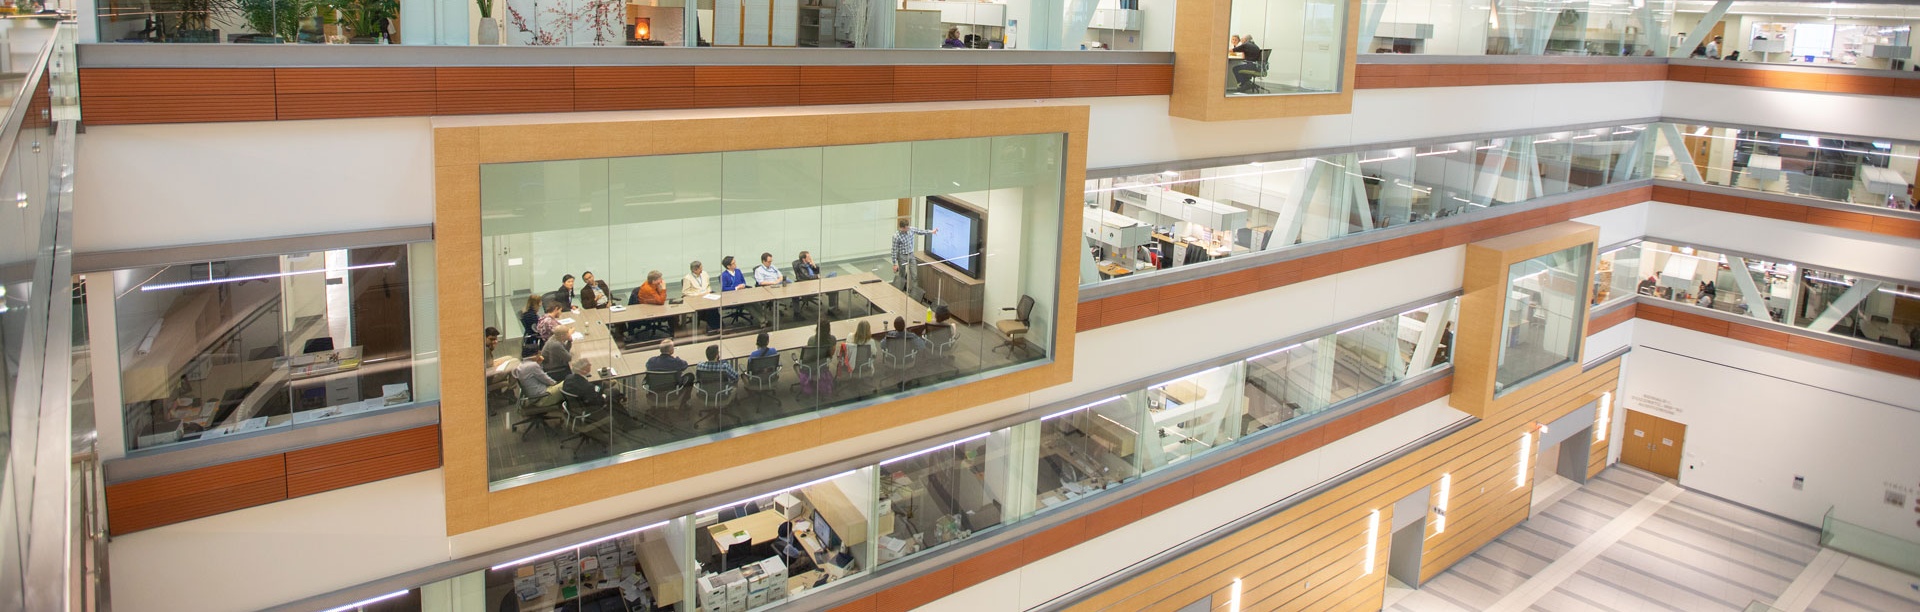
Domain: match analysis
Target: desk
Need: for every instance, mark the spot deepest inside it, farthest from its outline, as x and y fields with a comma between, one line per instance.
x=761, y=527
x=1112, y=269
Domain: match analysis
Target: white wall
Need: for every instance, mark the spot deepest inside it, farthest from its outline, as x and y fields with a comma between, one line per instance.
x=166, y=185
x=1847, y=114
x=1797, y=242
x=1756, y=417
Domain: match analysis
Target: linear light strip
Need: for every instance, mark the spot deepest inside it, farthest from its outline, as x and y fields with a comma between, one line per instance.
x=1233, y=597
x=238, y=279
x=1440, y=509
x=567, y=548
x=1082, y=407
x=1605, y=419
x=364, y=602
x=929, y=450
x=1373, y=539
x=1526, y=453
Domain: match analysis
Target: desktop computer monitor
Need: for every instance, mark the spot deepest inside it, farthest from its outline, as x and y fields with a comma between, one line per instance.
x=824, y=532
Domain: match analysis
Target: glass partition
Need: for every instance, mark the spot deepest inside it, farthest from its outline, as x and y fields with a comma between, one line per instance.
x=1286, y=46
x=218, y=348
x=1872, y=309
x=651, y=303
x=1860, y=35
x=767, y=550
x=1545, y=313
x=648, y=24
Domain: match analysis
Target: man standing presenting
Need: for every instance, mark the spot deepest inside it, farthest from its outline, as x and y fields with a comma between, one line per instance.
x=903, y=264
x=1713, y=48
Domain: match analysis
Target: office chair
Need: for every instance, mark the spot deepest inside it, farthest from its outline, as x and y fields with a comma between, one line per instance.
x=1255, y=71
x=738, y=554
x=816, y=366
x=899, y=354
x=714, y=394
x=861, y=361
x=582, y=421
x=738, y=313
x=789, y=548
x=663, y=389
x=660, y=326
x=317, y=345
x=762, y=377
x=943, y=340
x=1015, y=329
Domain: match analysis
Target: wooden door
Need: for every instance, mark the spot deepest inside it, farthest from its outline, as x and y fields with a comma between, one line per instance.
x=1653, y=444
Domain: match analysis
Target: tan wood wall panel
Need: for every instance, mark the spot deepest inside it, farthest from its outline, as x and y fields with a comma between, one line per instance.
x=1200, y=36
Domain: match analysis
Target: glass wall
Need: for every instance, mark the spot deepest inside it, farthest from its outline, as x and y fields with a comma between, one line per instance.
x=218, y=348
x=783, y=545
x=1544, y=315
x=1872, y=309
x=1876, y=36
x=1140, y=224
x=1286, y=46
x=650, y=303
x=864, y=24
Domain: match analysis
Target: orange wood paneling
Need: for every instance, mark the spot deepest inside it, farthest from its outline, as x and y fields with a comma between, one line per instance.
x=632, y=77
x=503, y=78
x=362, y=449
x=351, y=80
x=745, y=76
x=633, y=99
x=354, y=105
x=100, y=110
x=914, y=593
x=141, y=82
x=1805, y=345
x=503, y=101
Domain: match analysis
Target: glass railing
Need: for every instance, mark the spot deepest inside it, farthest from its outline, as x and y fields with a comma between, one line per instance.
x=1141, y=222
x=1854, y=35
x=768, y=24
x=1763, y=289
x=38, y=93
x=1866, y=543
x=788, y=543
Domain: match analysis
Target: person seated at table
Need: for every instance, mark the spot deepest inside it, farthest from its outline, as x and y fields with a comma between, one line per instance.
x=594, y=293
x=953, y=40
x=558, y=350
x=824, y=345
x=654, y=291
x=529, y=317
x=1249, y=56
x=536, y=386
x=497, y=382
x=1646, y=285
x=862, y=336
x=666, y=362
x=715, y=364
x=762, y=349
x=694, y=285
x=544, y=329
x=900, y=333
x=585, y=396
x=730, y=276
x=805, y=270
x=564, y=295
x=765, y=274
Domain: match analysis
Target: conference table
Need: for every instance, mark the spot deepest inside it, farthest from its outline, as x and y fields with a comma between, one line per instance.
x=594, y=338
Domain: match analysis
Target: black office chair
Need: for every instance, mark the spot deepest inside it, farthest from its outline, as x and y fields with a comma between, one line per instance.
x=762, y=377
x=663, y=389
x=737, y=555
x=788, y=547
x=317, y=345
x=739, y=313
x=1015, y=329
x=943, y=340
x=899, y=354
x=715, y=393
x=1253, y=70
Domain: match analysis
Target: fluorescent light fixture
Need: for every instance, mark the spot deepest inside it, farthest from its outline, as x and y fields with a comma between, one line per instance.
x=1445, y=152
x=1830, y=282
x=1373, y=538
x=1899, y=293
x=567, y=548
x=1604, y=421
x=1276, y=351
x=1584, y=136
x=929, y=450
x=1491, y=146
x=1117, y=423
x=1700, y=131
x=1380, y=159
x=1354, y=327
x=1440, y=508
x=1086, y=406
x=364, y=602
x=1526, y=452
x=1547, y=140
x=1233, y=597
x=1622, y=132
x=769, y=495
x=237, y=279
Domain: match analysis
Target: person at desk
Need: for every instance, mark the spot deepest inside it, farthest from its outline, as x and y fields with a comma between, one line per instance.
x=536, y=386
x=900, y=333
x=529, y=317
x=1647, y=284
x=715, y=364
x=805, y=270
x=730, y=276
x=953, y=39
x=1249, y=56
x=823, y=343
x=765, y=274
x=694, y=285
x=544, y=329
x=558, y=351
x=564, y=295
x=654, y=291
x=903, y=264
x=595, y=293
x=497, y=382
x=666, y=362
x=762, y=348
x=585, y=400
x=862, y=336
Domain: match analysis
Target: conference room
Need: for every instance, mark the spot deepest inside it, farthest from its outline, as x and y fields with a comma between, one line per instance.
x=718, y=293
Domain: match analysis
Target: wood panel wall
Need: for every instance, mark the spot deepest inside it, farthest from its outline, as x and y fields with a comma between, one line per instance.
x=1309, y=557
x=1390, y=76
x=1865, y=82
x=121, y=96
x=1808, y=345
x=182, y=496
x=1864, y=220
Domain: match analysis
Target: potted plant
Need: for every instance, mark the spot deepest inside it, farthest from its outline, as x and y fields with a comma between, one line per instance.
x=489, y=33
x=275, y=20
x=365, y=20
x=195, y=19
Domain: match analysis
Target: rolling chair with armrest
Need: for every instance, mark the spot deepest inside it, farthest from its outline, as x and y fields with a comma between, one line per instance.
x=861, y=363
x=583, y=420
x=899, y=354
x=663, y=389
x=1015, y=329
x=788, y=547
x=762, y=377
x=714, y=393
x=816, y=366
x=533, y=415
x=943, y=339
x=1253, y=70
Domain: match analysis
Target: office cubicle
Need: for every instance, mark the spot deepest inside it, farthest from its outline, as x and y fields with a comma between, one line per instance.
x=695, y=260
x=209, y=350
x=1766, y=289
x=787, y=543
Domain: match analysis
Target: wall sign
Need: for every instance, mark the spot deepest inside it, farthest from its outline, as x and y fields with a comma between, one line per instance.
x=1653, y=403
